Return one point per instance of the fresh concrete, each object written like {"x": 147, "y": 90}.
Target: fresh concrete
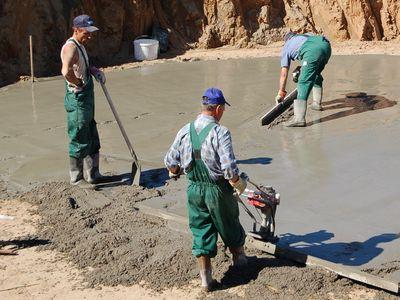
{"x": 338, "y": 178}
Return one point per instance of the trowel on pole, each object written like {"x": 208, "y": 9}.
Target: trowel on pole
{"x": 136, "y": 168}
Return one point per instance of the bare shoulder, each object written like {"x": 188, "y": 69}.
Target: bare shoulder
{"x": 69, "y": 53}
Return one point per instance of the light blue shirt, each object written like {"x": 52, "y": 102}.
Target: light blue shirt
{"x": 291, "y": 49}
{"x": 216, "y": 151}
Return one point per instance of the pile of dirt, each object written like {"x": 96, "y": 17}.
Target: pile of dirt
{"x": 109, "y": 238}
{"x": 114, "y": 243}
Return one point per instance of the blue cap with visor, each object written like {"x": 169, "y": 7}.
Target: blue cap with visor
{"x": 84, "y": 22}
{"x": 214, "y": 96}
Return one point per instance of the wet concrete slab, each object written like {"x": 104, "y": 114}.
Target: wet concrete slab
{"x": 338, "y": 177}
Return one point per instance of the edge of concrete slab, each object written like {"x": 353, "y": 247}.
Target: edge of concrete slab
{"x": 345, "y": 271}
{"x": 180, "y": 223}
{"x": 175, "y": 222}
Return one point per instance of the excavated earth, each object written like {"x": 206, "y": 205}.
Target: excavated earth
{"x": 114, "y": 243}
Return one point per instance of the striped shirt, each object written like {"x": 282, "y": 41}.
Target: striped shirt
{"x": 216, "y": 151}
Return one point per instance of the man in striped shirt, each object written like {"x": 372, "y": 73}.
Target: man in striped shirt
{"x": 203, "y": 150}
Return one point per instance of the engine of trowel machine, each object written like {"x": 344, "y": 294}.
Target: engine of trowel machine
{"x": 265, "y": 200}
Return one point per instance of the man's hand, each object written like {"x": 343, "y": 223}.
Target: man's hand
{"x": 280, "y": 96}
{"x": 174, "y": 173}
{"x": 98, "y": 75}
{"x": 239, "y": 185}
{"x": 174, "y": 176}
{"x": 296, "y": 74}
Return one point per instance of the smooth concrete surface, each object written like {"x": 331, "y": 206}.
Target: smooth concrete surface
{"x": 338, "y": 177}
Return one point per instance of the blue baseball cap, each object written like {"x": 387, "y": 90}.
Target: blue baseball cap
{"x": 214, "y": 96}
{"x": 84, "y": 22}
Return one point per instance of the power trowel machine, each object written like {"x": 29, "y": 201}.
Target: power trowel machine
{"x": 265, "y": 200}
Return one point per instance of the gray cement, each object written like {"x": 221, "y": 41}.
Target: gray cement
{"x": 337, "y": 177}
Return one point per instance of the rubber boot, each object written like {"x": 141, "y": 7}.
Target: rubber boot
{"x": 207, "y": 282}
{"x": 239, "y": 258}
{"x": 317, "y": 98}
{"x": 91, "y": 168}
{"x": 299, "y": 119}
{"x": 75, "y": 170}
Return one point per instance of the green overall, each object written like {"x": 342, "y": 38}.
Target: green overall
{"x": 212, "y": 207}
{"x": 82, "y": 130}
{"x": 314, "y": 54}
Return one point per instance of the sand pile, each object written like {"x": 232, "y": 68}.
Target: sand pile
{"x": 114, "y": 243}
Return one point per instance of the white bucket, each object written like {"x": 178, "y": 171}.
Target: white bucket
{"x": 145, "y": 49}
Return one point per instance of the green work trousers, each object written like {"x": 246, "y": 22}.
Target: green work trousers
{"x": 314, "y": 55}
{"x": 81, "y": 126}
{"x": 212, "y": 207}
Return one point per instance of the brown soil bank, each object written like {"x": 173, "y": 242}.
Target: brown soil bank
{"x": 191, "y": 23}
{"x": 114, "y": 243}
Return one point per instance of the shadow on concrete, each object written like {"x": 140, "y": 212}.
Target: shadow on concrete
{"x": 154, "y": 178}
{"x": 354, "y": 103}
{"x": 349, "y": 254}
{"x": 114, "y": 181}
{"x": 255, "y": 161}
{"x": 24, "y": 242}
{"x": 240, "y": 276}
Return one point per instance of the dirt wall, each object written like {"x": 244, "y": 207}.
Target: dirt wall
{"x": 191, "y": 23}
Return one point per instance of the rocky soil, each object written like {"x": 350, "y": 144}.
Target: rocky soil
{"x": 191, "y": 24}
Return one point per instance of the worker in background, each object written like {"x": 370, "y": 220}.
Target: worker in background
{"x": 314, "y": 52}
{"x": 203, "y": 150}
{"x": 84, "y": 143}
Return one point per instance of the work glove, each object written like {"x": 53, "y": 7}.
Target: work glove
{"x": 76, "y": 88}
{"x": 280, "y": 96}
{"x": 98, "y": 75}
{"x": 174, "y": 176}
{"x": 239, "y": 185}
{"x": 296, "y": 74}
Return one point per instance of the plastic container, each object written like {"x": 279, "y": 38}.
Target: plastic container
{"x": 145, "y": 49}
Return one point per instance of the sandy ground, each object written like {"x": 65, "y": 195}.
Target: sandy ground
{"x": 80, "y": 244}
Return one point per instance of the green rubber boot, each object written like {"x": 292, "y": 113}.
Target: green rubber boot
{"x": 317, "y": 98}
{"x": 299, "y": 119}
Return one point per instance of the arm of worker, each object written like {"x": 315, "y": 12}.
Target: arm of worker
{"x": 98, "y": 74}
{"x": 69, "y": 57}
{"x": 228, "y": 161}
{"x": 172, "y": 159}
{"x": 282, "y": 85}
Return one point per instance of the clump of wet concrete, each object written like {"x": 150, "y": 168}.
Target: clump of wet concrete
{"x": 352, "y": 103}
{"x": 284, "y": 117}
{"x": 110, "y": 239}
{"x": 5, "y": 192}
{"x": 114, "y": 243}
{"x": 385, "y": 268}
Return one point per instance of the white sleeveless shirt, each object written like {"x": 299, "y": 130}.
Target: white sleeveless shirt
{"x": 79, "y": 67}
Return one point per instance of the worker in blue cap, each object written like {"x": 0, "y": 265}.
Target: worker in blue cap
{"x": 203, "y": 150}
{"x": 84, "y": 143}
